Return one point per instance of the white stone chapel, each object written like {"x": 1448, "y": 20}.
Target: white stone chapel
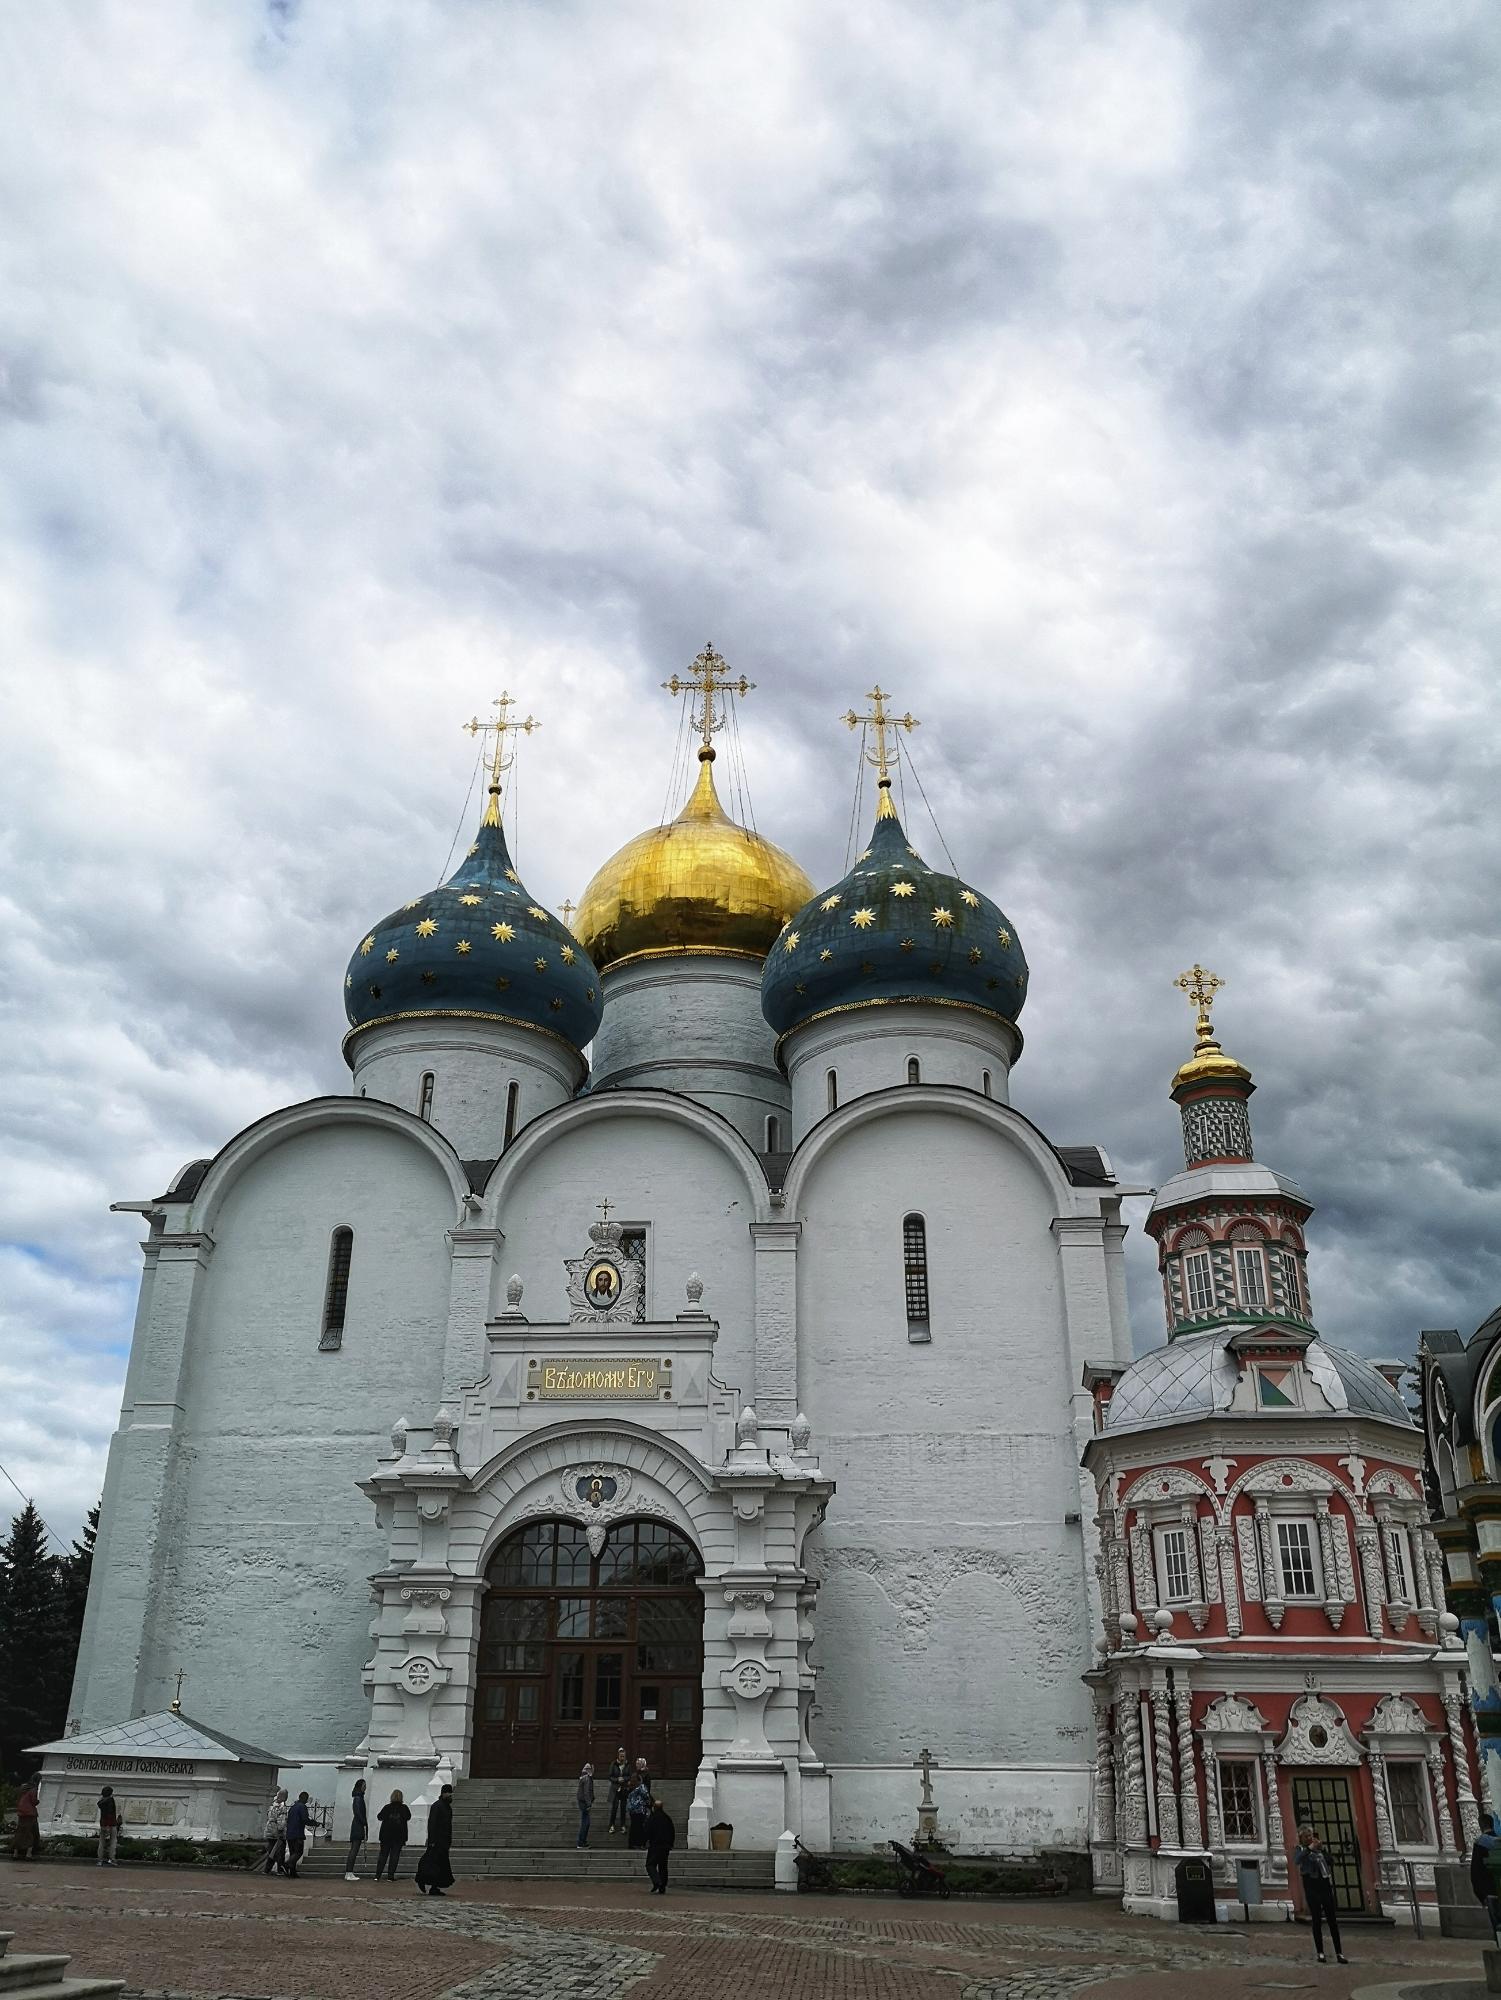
{"x": 675, "y": 1339}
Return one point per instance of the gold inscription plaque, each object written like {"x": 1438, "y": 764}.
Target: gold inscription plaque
{"x": 628, "y": 1379}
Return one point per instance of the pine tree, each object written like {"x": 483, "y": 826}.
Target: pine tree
{"x": 33, "y": 1641}
{"x": 74, "y": 1571}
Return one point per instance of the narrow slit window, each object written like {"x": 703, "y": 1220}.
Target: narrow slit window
{"x": 425, "y": 1101}
{"x": 1177, "y": 1586}
{"x": 833, "y": 1090}
{"x": 513, "y": 1101}
{"x": 985, "y": 1081}
{"x": 336, "y": 1292}
{"x": 914, "y": 1070}
{"x": 773, "y": 1135}
{"x": 915, "y": 1275}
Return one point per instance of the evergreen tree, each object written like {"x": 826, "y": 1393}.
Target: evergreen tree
{"x": 74, "y": 1571}
{"x": 33, "y": 1641}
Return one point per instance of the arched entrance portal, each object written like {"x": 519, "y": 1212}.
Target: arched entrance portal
{"x": 580, "y": 1653}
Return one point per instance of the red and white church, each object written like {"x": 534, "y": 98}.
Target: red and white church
{"x": 1277, "y": 1650}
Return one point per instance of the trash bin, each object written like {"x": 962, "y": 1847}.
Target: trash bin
{"x": 720, "y": 1836}
{"x": 1248, "y": 1884}
{"x": 1194, "y": 1881}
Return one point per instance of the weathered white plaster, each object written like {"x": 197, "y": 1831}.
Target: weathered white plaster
{"x": 473, "y": 1064}
{"x": 982, "y": 1808}
{"x": 870, "y": 1049}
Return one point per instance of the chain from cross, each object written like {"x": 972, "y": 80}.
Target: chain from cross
{"x": 1200, "y": 987}
{"x": 710, "y": 685}
{"x": 502, "y": 727}
{"x": 883, "y": 726}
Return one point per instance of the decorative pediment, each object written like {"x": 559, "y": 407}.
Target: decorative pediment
{"x": 1392, "y": 1483}
{"x": 1286, "y": 1475}
{"x": 1169, "y": 1482}
{"x": 1232, "y": 1713}
{"x": 1397, "y": 1716}
{"x": 1317, "y": 1733}
{"x": 604, "y": 1285}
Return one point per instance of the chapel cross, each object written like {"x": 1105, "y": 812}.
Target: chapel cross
{"x": 502, "y": 727}
{"x": 176, "y": 1703}
{"x": 1200, "y": 988}
{"x": 710, "y": 685}
{"x": 884, "y": 725}
{"x": 605, "y": 1206}
{"x": 925, "y": 1758}
{"x": 568, "y": 907}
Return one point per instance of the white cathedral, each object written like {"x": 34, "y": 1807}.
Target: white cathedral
{"x": 674, "y": 1339}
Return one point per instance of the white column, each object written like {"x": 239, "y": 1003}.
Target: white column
{"x": 1276, "y": 1839}
{"x": 1459, "y": 1752}
{"x": 1370, "y": 1571}
{"x": 1104, "y": 1771}
{"x": 1385, "y": 1839}
{"x": 1446, "y": 1839}
{"x": 1162, "y": 1751}
{"x": 1334, "y": 1604}
{"x": 1271, "y": 1567}
{"x": 1188, "y": 1786}
{"x": 776, "y": 1320}
{"x": 1133, "y": 1769}
{"x": 1230, "y": 1581}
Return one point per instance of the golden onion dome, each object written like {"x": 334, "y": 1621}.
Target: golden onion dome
{"x": 699, "y": 883}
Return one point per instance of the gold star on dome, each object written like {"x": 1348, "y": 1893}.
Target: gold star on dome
{"x": 540, "y": 963}
{"x": 793, "y": 940}
{"x": 502, "y": 984}
{"x": 943, "y": 918}
{"x": 588, "y": 992}
{"x": 469, "y": 899}
{"x": 462, "y": 946}
{"x": 825, "y": 955}
{"x": 429, "y": 978}
{"x": 909, "y": 944}
{"x": 412, "y": 905}
{"x": 569, "y": 954}
{"x": 799, "y": 987}
{"x": 367, "y": 947}
{"x": 904, "y": 889}
{"x": 556, "y": 1005}
{"x": 502, "y": 933}
{"x": 427, "y": 928}
{"x": 830, "y": 903}
{"x": 511, "y": 875}
{"x": 1021, "y": 977}
{"x": 1004, "y": 937}
{"x": 974, "y": 954}
{"x": 914, "y": 853}
{"x": 862, "y": 919}
{"x": 391, "y": 956}
{"x": 866, "y": 967}
{"x": 533, "y": 911}
{"x": 349, "y": 979}
{"x": 474, "y": 850}
{"x": 969, "y": 896}
{"x": 863, "y": 857}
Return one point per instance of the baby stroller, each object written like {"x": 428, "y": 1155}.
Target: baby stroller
{"x": 813, "y": 1870}
{"x": 916, "y": 1875}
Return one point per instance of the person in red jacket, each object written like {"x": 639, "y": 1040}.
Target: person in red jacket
{"x": 28, "y": 1828}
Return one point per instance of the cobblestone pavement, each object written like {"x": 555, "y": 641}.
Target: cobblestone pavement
{"x": 169, "y": 1933}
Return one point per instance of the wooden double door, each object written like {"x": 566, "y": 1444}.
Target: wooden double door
{"x": 581, "y": 1655}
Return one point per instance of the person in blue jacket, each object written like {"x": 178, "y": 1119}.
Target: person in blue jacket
{"x": 297, "y": 1826}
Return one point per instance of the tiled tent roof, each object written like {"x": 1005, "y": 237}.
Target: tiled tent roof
{"x": 1196, "y": 1375}
{"x": 163, "y": 1735}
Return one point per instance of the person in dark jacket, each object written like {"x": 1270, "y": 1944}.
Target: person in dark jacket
{"x": 584, "y": 1799}
{"x": 638, "y": 1803}
{"x": 28, "y": 1823}
{"x": 109, "y": 1827}
{"x": 359, "y": 1829}
{"x": 1485, "y": 1855}
{"x": 661, "y": 1838}
{"x": 1318, "y": 1891}
{"x": 434, "y": 1876}
{"x": 619, "y": 1775}
{"x": 297, "y": 1826}
{"x": 393, "y": 1820}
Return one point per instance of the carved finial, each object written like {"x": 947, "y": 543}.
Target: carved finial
{"x": 442, "y": 1431}
{"x": 513, "y": 1290}
{"x": 1200, "y": 988}
{"x": 399, "y": 1437}
{"x": 801, "y": 1432}
{"x": 710, "y": 685}
{"x": 747, "y": 1428}
{"x": 499, "y": 729}
{"x": 884, "y": 726}
{"x": 694, "y": 1289}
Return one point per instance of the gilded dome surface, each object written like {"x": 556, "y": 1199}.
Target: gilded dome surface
{"x": 699, "y": 883}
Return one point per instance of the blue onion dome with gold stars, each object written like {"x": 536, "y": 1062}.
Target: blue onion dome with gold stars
{"x": 478, "y": 947}
{"x": 893, "y": 929}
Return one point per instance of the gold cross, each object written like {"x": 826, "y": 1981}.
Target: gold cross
{"x": 500, "y": 729}
{"x": 1200, "y": 987}
{"x": 176, "y": 1703}
{"x": 710, "y": 685}
{"x": 568, "y": 906}
{"x": 884, "y": 754}
{"x": 605, "y": 1206}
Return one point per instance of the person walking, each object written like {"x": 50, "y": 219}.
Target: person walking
{"x": 297, "y": 1826}
{"x": 28, "y": 1823}
{"x": 434, "y": 1875}
{"x": 274, "y": 1858}
{"x": 585, "y": 1799}
{"x": 1484, "y": 1856}
{"x": 619, "y": 1775}
{"x": 661, "y": 1838}
{"x": 109, "y": 1827}
{"x": 393, "y": 1820}
{"x": 1318, "y": 1891}
{"x": 359, "y": 1829}
{"x": 638, "y": 1804}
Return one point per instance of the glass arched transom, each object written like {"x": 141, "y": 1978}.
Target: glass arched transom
{"x": 583, "y": 1654}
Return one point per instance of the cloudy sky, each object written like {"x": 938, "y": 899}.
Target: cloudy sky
{"x": 1115, "y": 382}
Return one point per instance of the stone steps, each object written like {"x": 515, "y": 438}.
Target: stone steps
{"x": 38, "y": 1975}
{"x": 691, "y": 1868}
{"x": 541, "y": 1812}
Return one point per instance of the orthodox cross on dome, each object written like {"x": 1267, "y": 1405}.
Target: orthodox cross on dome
{"x": 605, "y": 1206}
{"x": 710, "y": 686}
{"x": 176, "y": 1702}
{"x": 1200, "y": 988}
{"x": 504, "y": 725}
{"x": 883, "y": 725}
{"x": 568, "y": 907}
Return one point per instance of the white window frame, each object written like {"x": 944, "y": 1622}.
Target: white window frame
{"x": 1254, "y": 1260}
{"x": 1418, "y": 1765}
{"x": 1190, "y": 1260}
{"x": 1165, "y": 1595}
{"x": 1310, "y": 1527}
{"x": 1402, "y": 1560}
{"x": 1257, "y": 1839}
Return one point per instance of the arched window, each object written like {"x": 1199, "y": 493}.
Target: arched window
{"x": 915, "y": 1276}
{"x": 833, "y": 1090}
{"x": 1250, "y": 1268}
{"x": 425, "y": 1102}
{"x": 914, "y": 1070}
{"x": 513, "y": 1100}
{"x": 773, "y": 1135}
{"x": 985, "y": 1081}
{"x": 336, "y": 1290}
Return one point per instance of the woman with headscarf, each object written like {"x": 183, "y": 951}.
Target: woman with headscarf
{"x": 434, "y": 1876}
